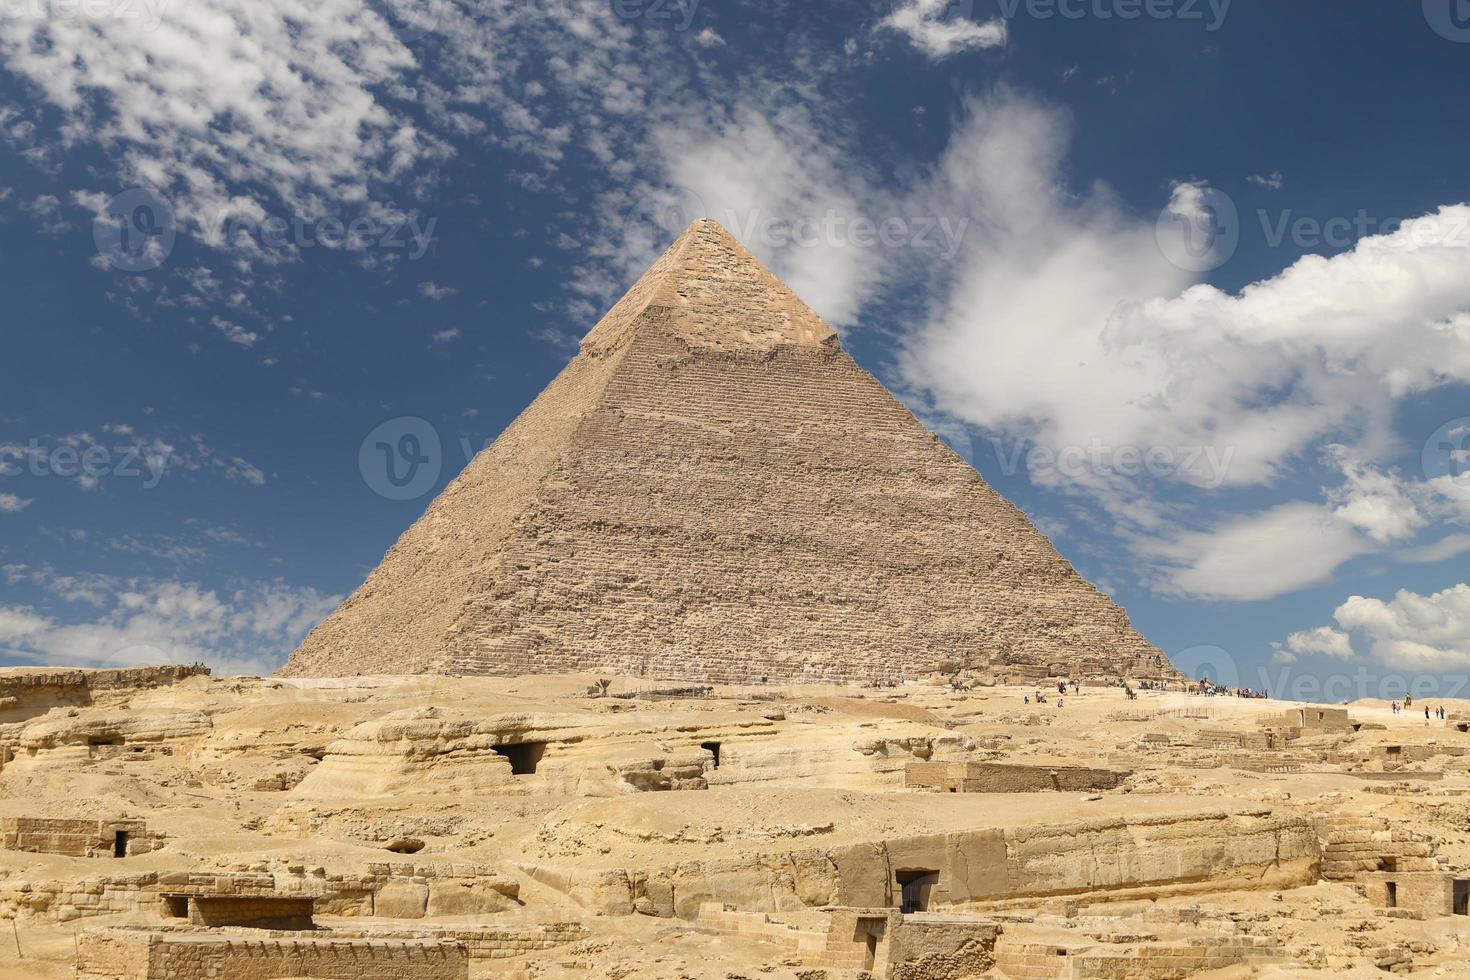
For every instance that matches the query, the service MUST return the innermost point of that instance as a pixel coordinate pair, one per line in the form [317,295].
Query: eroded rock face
[714,491]
[565,824]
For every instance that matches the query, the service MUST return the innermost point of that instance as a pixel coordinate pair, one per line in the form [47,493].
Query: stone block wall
[264,913]
[935,947]
[73,838]
[141,955]
[1430,892]
[1005,777]
[1069,959]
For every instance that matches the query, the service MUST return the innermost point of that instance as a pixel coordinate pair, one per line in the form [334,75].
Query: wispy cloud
[933,27]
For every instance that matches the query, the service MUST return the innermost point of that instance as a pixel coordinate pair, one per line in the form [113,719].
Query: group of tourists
[1439,712]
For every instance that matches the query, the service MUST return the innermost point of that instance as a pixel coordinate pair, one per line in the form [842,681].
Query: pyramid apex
[719,296]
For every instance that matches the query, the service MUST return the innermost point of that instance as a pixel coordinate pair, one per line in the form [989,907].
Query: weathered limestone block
[401,900]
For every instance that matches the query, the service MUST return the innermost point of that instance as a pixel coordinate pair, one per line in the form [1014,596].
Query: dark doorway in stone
[523,756]
[120,844]
[916,888]
[1393,895]
[1461,904]
[714,749]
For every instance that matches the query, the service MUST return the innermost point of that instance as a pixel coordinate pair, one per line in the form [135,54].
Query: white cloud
[1063,326]
[445,336]
[146,460]
[206,98]
[1374,502]
[18,623]
[709,38]
[1322,641]
[1450,546]
[434,292]
[12,504]
[778,183]
[1280,550]
[250,629]
[924,23]
[1272,181]
[1414,631]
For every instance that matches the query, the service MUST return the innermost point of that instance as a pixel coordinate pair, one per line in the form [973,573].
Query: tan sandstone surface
[393,805]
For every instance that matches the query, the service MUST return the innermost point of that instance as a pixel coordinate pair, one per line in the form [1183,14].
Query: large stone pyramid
[712,490]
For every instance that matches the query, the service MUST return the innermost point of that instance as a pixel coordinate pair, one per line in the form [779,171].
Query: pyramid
[714,491]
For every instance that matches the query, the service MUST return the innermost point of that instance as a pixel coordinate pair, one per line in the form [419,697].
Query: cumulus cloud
[1377,503]
[1062,324]
[248,629]
[1322,641]
[926,24]
[1412,631]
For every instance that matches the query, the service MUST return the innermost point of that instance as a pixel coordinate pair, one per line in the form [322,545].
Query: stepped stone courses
[713,490]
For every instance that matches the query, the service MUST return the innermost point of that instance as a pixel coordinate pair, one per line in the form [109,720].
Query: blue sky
[1188,281]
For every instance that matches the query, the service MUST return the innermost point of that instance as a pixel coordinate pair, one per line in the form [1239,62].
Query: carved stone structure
[713,490]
